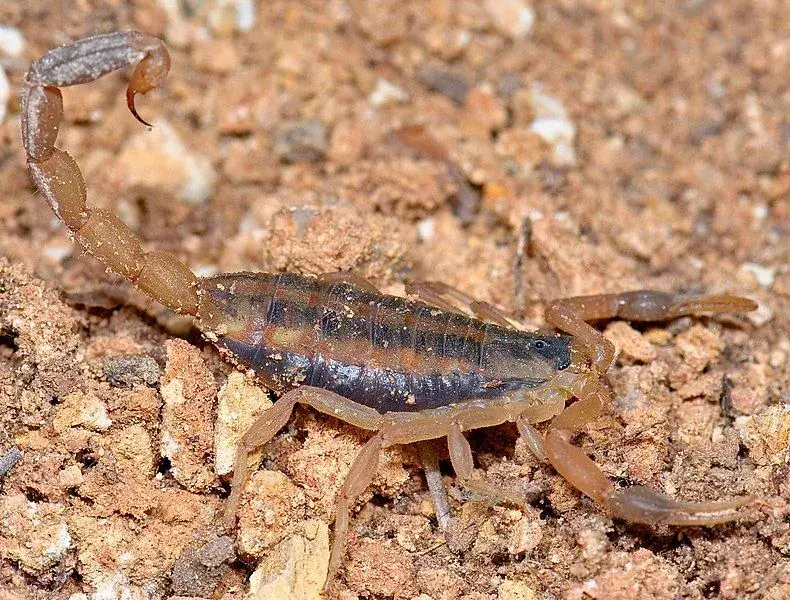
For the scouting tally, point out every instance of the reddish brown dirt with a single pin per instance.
(275, 148)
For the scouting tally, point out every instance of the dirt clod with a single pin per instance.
(131, 371)
(296, 568)
(197, 572)
(189, 392)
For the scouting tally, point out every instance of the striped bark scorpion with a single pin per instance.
(408, 370)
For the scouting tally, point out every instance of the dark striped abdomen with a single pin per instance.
(386, 352)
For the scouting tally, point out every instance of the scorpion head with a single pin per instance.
(554, 348)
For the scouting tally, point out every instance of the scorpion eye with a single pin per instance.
(540, 345)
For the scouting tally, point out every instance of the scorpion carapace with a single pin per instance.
(407, 370)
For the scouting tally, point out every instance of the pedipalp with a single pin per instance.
(572, 314)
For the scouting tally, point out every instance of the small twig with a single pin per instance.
(523, 249)
(7, 462)
(725, 399)
(431, 549)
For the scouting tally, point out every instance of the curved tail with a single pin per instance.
(159, 274)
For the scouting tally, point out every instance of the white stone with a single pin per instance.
(11, 41)
(82, 410)
(245, 15)
(169, 446)
(386, 93)
(763, 275)
(760, 211)
(513, 18)
(426, 229)
(115, 586)
(59, 545)
(240, 403)
(225, 16)
(33, 540)
(551, 123)
(5, 94)
(761, 316)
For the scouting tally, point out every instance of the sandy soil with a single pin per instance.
(606, 147)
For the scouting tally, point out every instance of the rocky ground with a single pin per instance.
(519, 152)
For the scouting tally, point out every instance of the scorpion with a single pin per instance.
(432, 365)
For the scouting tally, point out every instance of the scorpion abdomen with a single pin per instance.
(385, 352)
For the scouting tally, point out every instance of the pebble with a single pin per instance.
(296, 568)
(188, 390)
(227, 15)
(158, 158)
(440, 583)
(305, 141)
(133, 447)
(5, 94)
(347, 143)
(426, 228)
(273, 504)
(484, 112)
(196, 573)
(71, 477)
(761, 316)
(763, 275)
(9, 460)
(525, 536)
(241, 402)
(513, 18)
(35, 535)
(516, 590)
(131, 371)
(767, 435)
(245, 15)
(11, 42)
(387, 93)
(444, 82)
(112, 586)
(630, 342)
(551, 123)
(81, 410)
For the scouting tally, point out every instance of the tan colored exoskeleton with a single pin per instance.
(406, 370)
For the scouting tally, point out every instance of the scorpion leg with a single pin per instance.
(359, 477)
(450, 299)
(101, 233)
(491, 314)
(430, 464)
(424, 292)
(264, 429)
(463, 463)
(532, 437)
(350, 277)
(637, 503)
(570, 314)
(275, 418)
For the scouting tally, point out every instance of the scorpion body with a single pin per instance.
(407, 370)
(385, 352)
